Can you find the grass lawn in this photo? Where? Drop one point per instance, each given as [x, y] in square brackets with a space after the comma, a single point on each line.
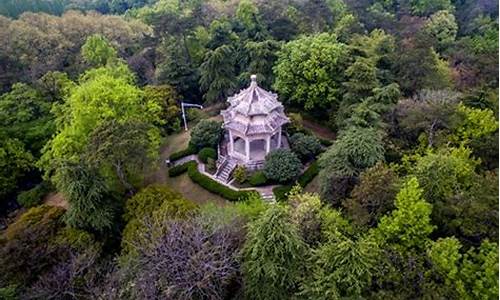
[182, 183]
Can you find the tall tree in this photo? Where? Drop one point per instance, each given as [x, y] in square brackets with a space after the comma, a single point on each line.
[273, 256]
[97, 51]
[218, 78]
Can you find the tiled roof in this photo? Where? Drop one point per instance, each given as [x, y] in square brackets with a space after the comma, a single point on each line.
[250, 102]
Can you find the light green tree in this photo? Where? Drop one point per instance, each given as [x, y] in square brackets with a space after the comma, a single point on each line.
[409, 225]
[443, 28]
[309, 71]
[98, 51]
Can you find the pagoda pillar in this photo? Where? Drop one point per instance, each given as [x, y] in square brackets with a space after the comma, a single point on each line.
[279, 138]
[247, 149]
[268, 144]
[231, 142]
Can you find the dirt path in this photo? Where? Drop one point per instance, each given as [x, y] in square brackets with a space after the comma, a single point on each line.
[56, 199]
[320, 130]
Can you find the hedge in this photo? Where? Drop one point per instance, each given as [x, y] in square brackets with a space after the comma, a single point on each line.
[183, 153]
[207, 153]
[304, 179]
[178, 170]
[213, 186]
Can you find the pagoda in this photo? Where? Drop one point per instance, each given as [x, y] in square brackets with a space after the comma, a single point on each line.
[252, 128]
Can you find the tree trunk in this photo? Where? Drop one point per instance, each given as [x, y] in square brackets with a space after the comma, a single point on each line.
[123, 179]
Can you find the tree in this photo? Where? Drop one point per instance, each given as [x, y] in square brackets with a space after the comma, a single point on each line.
[167, 98]
[309, 71]
[305, 146]
[470, 275]
[355, 150]
[343, 268]
[373, 197]
[25, 114]
[15, 162]
[442, 28]
[217, 74]
[103, 94]
[261, 58]
[189, 258]
[409, 225]
[124, 148]
[428, 7]
[55, 85]
[97, 51]
[282, 165]
[91, 206]
[273, 255]
[476, 123]
[362, 79]
[206, 133]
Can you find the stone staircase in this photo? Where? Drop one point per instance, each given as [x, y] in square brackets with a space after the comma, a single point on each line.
[268, 196]
[224, 172]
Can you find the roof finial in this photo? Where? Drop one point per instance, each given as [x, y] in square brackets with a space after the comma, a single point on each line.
[253, 78]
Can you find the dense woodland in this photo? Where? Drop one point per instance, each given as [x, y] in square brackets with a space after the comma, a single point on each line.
[407, 198]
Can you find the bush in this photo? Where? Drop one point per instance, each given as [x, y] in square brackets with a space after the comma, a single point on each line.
[207, 153]
[211, 165]
[206, 134]
[304, 179]
[34, 196]
[183, 153]
[258, 179]
[305, 146]
[213, 186]
[240, 174]
[282, 165]
[325, 142]
[178, 170]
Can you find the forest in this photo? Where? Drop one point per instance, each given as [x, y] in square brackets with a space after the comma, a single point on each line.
[389, 189]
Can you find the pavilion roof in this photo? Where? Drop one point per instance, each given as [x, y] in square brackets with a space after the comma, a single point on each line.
[250, 102]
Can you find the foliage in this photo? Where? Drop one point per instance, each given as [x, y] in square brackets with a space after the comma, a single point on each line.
[258, 178]
[282, 165]
[206, 153]
[409, 225]
[124, 147]
[373, 197]
[91, 206]
[272, 255]
[442, 27]
[206, 134]
[167, 98]
[305, 146]
[355, 150]
[15, 162]
[309, 71]
[103, 94]
[97, 51]
[190, 150]
[154, 200]
[34, 196]
[217, 75]
[213, 186]
[240, 174]
[281, 192]
[477, 123]
[178, 169]
[43, 258]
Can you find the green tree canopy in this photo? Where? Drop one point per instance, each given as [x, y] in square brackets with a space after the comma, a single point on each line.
[309, 71]
[98, 51]
[273, 256]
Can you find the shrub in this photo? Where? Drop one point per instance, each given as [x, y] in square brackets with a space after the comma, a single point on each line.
[183, 153]
[240, 174]
[280, 192]
[178, 170]
[325, 142]
[211, 166]
[282, 165]
[305, 146]
[207, 153]
[213, 186]
[258, 178]
[34, 196]
[206, 134]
